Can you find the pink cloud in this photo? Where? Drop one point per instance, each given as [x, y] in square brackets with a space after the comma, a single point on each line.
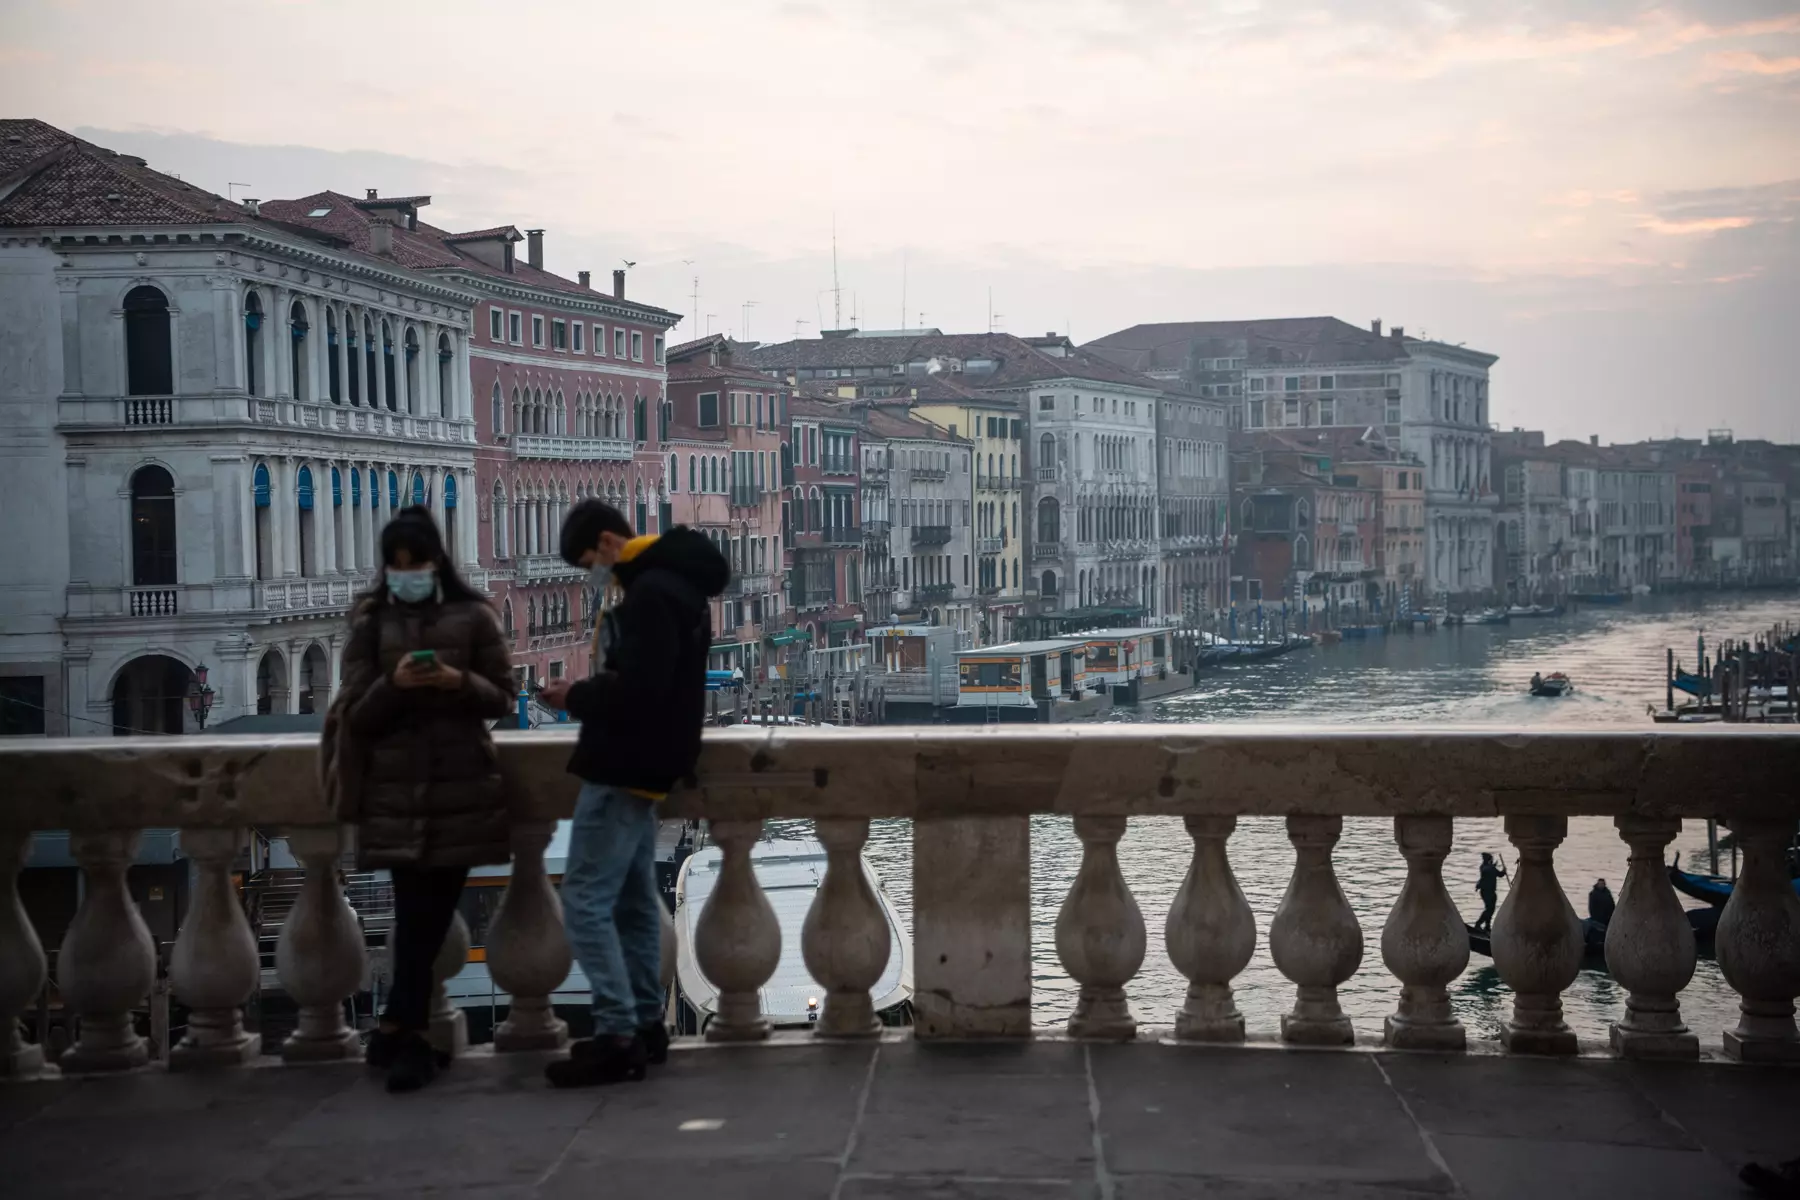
[1750, 63]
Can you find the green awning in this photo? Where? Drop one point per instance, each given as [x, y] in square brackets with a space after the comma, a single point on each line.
[790, 635]
[845, 626]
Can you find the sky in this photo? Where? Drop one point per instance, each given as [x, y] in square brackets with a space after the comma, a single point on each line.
[1604, 193]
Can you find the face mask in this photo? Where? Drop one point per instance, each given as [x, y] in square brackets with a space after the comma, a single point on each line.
[411, 586]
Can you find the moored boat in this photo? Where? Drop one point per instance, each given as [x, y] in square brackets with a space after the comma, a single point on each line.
[1554, 684]
[1713, 889]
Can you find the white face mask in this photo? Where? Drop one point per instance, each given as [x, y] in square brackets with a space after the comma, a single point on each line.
[412, 585]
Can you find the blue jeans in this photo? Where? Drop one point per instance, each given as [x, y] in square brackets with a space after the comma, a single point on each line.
[610, 905]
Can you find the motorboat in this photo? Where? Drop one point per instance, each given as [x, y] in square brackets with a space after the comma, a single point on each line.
[789, 870]
[1535, 610]
[1554, 684]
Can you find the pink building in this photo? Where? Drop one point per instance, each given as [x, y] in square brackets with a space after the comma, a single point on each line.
[569, 391]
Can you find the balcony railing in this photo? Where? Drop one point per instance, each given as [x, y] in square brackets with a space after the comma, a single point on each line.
[843, 535]
[537, 568]
[1046, 474]
[1046, 551]
[988, 545]
[152, 601]
[875, 531]
[931, 535]
[930, 592]
[998, 483]
[306, 595]
[157, 411]
[540, 445]
[929, 474]
[973, 933]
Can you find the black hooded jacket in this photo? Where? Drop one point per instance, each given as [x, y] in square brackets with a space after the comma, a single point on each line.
[641, 713]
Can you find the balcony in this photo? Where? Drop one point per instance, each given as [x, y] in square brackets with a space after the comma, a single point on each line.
[876, 531]
[745, 497]
[538, 445]
[749, 585]
[541, 568]
[988, 545]
[843, 535]
[927, 1104]
[832, 464]
[1046, 474]
[296, 597]
[931, 535]
[1046, 551]
[150, 412]
[934, 593]
[930, 474]
[998, 483]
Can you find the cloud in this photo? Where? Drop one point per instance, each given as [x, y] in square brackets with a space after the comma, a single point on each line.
[1697, 225]
[1750, 63]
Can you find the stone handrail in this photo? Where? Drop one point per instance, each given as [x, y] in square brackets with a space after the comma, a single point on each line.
[970, 794]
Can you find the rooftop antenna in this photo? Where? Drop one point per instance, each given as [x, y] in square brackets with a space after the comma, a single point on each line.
[748, 305]
[228, 193]
[689, 263]
[709, 321]
[837, 291]
[903, 289]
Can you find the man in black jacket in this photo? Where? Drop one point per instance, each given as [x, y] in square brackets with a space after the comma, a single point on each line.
[641, 713]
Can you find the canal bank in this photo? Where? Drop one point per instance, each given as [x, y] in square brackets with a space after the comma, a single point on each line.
[1471, 675]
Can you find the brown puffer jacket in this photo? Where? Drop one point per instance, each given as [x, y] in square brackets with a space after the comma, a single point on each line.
[415, 767]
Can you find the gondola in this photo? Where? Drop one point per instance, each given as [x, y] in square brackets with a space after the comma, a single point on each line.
[1703, 921]
[1713, 889]
[1556, 684]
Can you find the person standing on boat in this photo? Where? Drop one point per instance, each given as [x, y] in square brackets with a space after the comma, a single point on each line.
[407, 758]
[1487, 886]
[1600, 904]
[640, 713]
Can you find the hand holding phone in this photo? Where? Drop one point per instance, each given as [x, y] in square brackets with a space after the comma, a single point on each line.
[416, 669]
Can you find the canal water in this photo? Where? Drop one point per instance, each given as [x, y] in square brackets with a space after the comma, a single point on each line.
[1473, 675]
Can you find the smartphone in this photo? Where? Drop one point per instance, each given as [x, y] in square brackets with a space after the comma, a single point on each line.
[424, 658]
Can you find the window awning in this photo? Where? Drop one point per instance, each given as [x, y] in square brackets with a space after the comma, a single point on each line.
[789, 636]
[844, 626]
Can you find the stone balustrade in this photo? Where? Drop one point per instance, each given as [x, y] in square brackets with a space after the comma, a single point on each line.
[970, 795]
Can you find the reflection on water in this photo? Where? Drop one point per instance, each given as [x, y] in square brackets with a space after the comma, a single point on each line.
[1472, 675]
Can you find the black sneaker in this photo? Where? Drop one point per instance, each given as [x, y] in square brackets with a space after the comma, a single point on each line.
[655, 1038]
[598, 1061]
[414, 1063]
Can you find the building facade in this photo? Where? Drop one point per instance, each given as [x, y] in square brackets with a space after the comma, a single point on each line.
[1193, 468]
[824, 569]
[211, 415]
[996, 433]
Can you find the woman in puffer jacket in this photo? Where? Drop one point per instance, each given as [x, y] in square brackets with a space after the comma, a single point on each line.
[409, 761]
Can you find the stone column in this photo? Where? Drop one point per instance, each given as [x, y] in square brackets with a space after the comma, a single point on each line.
[1650, 947]
[279, 341]
[1100, 934]
[1758, 945]
[1537, 941]
[215, 966]
[296, 663]
[1424, 942]
[845, 939]
[285, 518]
[1211, 934]
[21, 962]
[972, 927]
[378, 385]
[320, 956]
[107, 963]
[1314, 938]
[449, 1026]
[528, 955]
[737, 941]
[326, 515]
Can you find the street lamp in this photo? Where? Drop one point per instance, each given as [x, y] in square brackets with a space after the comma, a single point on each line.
[200, 696]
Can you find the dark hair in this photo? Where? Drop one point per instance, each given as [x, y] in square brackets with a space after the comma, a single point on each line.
[582, 528]
[414, 531]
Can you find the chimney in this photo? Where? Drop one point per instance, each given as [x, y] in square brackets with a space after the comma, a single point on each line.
[1399, 333]
[1593, 439]
[534, 248]
[381, 236]
[618, 284]
[253, 206]
[1375, 327]
[372, 195]
[584, 277]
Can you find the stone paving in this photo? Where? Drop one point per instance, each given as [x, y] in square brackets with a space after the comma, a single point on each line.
[908, 1121]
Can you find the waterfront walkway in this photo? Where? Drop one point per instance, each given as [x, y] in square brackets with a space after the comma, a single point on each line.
[915, 1121]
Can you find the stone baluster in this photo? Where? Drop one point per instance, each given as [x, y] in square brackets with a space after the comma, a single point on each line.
[1758, 945]
[107, 963]
[527, 953]
[21, 962]
[1537, 940]
[215, 966]
[1314, 938]
[320, 956]
[1650, 947]
[449, 1026]
[1211, 935]
[1424, 942]
[737, 941]
[845, 940]
[1100, 934]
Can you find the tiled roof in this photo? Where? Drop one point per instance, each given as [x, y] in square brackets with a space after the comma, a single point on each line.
[1017, 362]
[884, 424]
[1295, 341]
[429, 248]
[509, 232]
[49, 177]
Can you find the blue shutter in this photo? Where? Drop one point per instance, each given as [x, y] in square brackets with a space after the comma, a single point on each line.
[260, 485]
[337, 489]
[449, 491]
[418, 488]
[355, 488]
[305, 487]
[393, 490]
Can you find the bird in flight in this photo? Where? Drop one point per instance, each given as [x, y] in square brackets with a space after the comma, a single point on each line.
[628, 263]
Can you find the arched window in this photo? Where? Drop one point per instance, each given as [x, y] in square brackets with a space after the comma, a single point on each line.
[298, 328]
[152, 527]
[562, 416]
[334, 378]
[674, 473]
[501, 528]
[450, 515]
[389, 375]
[1047, 451]
[639, 432]
[303, 489]
[418, 488]
[692, 485]
[446, 388]
[149, 367]
[393, 491]
[1049, 520]
[259, 494]
[497, 415]
[253, 317]
[815, 516]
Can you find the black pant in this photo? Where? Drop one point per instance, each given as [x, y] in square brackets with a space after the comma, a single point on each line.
[1487, 910]
[424, 905]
